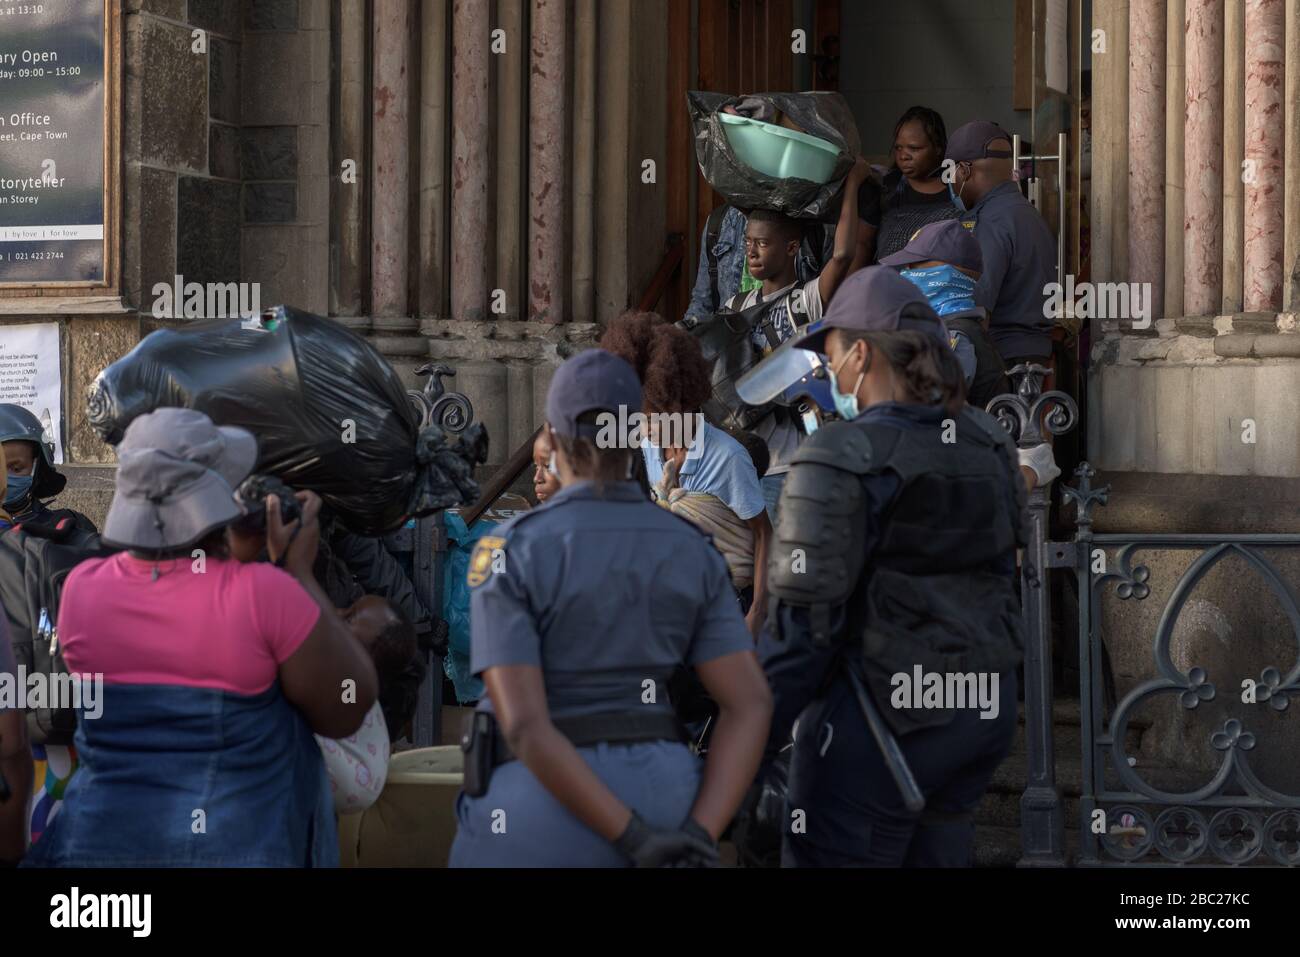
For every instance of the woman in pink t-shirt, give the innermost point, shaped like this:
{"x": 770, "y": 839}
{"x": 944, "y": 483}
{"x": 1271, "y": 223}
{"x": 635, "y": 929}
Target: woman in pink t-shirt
{"x": 215, "y": 672}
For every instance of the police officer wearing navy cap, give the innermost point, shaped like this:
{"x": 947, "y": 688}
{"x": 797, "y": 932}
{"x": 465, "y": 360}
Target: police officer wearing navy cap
{"x": 894, "y": 556}
{"x": 943, "y": 260}
{"x": 1018, "y": 249}
{"x": 581, "y": 609}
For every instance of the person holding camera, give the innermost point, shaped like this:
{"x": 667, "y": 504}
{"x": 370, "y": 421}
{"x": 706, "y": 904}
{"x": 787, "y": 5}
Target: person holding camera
{"x": 215, "y": 672}
{"x": 581, "y": 610}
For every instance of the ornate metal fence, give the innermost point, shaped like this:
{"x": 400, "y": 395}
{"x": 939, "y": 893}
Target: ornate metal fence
{"x": 1209, "y": 803}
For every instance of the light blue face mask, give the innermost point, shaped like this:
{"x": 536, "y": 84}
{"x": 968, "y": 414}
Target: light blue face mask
{"x": 846, "y": 406}
{"x": 956, "y": 197}
{"x": 19, "y": 487}
{"x": 947, "y": 288}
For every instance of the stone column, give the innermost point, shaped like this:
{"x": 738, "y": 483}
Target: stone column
{"x": 1203, "y": 166}
{"x": 1110, "y": 143}
{"x": 1175, "y": 105}
{"x": 469, "y": 166}
{"x": 583, "y": 208}
{"x": 1265, "y": 128}
{"x": 548, "y": 116}
{"x": 349, "y": 198}
{"x": 433, "y": 158}
{"x": 1291, "y": 207}
{"x": 510, "y": 160}
{"x": 1234, "y": 150}
{"x": 390, "y": 152}
{"x": 1146, "y": 148}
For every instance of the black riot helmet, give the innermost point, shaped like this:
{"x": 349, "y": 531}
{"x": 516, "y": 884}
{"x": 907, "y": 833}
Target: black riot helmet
{"x": 18, "y": 424}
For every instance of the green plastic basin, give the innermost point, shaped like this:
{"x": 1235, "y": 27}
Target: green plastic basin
{"x": 779, "y": 152}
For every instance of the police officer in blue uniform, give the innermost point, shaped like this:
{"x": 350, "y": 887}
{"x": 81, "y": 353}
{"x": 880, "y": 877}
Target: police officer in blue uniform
{"x": 580, "y": 611}
{"x": 895, "y": 632}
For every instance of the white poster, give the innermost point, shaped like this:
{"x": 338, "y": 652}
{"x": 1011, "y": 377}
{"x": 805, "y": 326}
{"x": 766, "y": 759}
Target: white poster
{"x": 1056, "y": 46}
{"x": 30, "y": 375}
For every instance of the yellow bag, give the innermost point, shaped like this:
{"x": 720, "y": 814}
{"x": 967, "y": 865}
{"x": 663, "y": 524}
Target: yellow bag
{"x": 413, "y": 822}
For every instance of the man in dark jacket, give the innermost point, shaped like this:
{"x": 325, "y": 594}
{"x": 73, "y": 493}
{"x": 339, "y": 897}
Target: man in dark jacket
{"x": 1019, "y": 251}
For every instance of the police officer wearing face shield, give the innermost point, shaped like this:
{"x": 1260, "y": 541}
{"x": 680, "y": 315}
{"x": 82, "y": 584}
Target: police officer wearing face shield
{"x": 581, "y": 609}
{"x": 895, "y": 630}
{"x": 29, "y": 461}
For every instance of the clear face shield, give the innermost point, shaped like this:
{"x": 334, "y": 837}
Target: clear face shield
{"x": 795, "y": 378}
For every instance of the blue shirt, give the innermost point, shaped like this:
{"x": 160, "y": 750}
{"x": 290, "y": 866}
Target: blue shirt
{"x": 607, "y": 593}
{"x": 717, "y": 465}
{"x": 1019, "y": 253}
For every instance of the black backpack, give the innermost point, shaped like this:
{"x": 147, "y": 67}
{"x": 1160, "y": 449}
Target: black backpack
{"x": 35, "y": 560}
{"x": 724, "y": 339}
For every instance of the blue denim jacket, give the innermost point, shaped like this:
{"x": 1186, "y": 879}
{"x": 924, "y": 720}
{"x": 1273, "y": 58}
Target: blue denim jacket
{"x": 730, "y": 253}
{"x": 160, "y": 754}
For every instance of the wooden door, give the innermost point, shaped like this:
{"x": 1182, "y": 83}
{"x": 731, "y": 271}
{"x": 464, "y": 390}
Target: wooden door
{"x": 740, "y": 46}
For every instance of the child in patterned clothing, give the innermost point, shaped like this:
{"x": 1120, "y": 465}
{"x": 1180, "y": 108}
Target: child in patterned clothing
{"x": 358, "y": 764}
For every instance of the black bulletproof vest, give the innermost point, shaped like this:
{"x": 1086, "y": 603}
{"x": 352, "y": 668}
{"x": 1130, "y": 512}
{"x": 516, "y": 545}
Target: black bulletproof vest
{"x": 933, "y": 597}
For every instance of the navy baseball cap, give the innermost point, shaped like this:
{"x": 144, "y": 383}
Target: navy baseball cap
{"x": 947, "y": 241}
{"x": 875, "y": 299}
{"x": 591, "y": 381}
{"x": 971, "y": 142}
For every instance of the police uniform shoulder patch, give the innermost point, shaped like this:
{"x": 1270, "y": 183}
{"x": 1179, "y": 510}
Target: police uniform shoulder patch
{"x": 487, "y": 558}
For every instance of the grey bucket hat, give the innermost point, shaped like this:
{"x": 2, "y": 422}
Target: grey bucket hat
{"x": 176, "y": 477}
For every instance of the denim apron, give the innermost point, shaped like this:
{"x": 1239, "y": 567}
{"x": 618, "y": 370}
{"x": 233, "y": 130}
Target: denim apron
{"x": 173, "y": 776}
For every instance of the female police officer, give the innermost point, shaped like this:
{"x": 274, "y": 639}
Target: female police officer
{"x": 580, "y": 611}
{"x": 892, "y": 577}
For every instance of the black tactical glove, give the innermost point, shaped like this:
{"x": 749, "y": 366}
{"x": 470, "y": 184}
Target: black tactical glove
{"x": 651, "y": 847}
{"x": 695, "y": 829}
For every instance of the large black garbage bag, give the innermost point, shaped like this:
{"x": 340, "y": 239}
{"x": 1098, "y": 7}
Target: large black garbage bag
{"x": 329, "y": 413}
{"x": 822, "y": 114}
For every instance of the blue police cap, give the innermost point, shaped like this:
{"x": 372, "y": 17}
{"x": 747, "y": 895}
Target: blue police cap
{"x": 591, "y": 381}
{"x": 946, "y": 241}
{"x": 971, "y": 142}
{"x": 875, "y": 299}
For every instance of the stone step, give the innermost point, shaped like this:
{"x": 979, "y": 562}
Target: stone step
{"x": 1067, "y": 732}
{"x": 1002, "y": 809}
{"x": 1012, "y": 774}
{"x": 1000, "y": 846}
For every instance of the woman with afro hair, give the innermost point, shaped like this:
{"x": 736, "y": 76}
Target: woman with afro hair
{"x": 695, "y": 469}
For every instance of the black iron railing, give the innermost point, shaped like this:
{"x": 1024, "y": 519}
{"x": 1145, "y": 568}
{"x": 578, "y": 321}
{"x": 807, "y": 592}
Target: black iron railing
{"x": 1209, "y": 804}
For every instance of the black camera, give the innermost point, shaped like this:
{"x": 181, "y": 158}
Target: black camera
{"x": 252, "y": 493}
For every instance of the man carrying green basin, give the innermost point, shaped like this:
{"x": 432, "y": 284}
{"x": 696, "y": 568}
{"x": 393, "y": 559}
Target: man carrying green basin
{"x": 766, "y": 255}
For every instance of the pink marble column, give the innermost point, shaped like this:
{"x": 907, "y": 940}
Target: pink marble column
{"x": 470, "y": 46}
{"x": 1203, "y": 160}
{"x": 390, "y": 158}
{"x": 1146, "y": 148}
{"x": 547, "y": 159}
{"x": 1265, "y": 127}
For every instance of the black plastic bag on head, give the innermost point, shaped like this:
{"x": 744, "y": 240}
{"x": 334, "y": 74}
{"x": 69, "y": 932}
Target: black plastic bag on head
{"x": 822, "y": 114}
{"x": 329, "y": 413}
